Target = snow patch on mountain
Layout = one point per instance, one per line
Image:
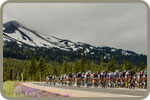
(113, 50)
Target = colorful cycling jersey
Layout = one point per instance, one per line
(91, 75)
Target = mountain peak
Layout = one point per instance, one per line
(11, 26)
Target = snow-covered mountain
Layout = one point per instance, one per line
(14, 31)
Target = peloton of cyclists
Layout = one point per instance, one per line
(104, 79)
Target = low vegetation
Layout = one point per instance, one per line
(9, 88)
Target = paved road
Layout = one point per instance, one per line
(121, 91)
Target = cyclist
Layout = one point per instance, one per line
(74, 78)
(62, 79)
(105, 74)
(70, 78)
(127, 78)
(78, 79)
(145, 79)
(54, 79)
(145, 73)
(95, 79)
(88, 78)
(50, 79)
(88, 75)
(65, 79)
(83, 78)
(141, 73)
(47, 79)
(101, 78)
(132, 73)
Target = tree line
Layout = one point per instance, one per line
(37, 70)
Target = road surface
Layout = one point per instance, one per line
(87, 92)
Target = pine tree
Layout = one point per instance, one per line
(78, 67)
(89, 66)
(130, 66)
(93, 66)
(43, 69)
(101, 65)
(64, 68)
(111, 66)
(124, 65)
(127, 65)
(142, 66)
(32, 68)
(55, 72)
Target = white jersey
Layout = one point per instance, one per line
(127, 73)
(85, 75)
(74, 76)
(65, 76)
(138, 76)
(82, 75)
(47, 78)
(54, 77)
(109, 74)
(61, 77)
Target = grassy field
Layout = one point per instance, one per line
(9, 88)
